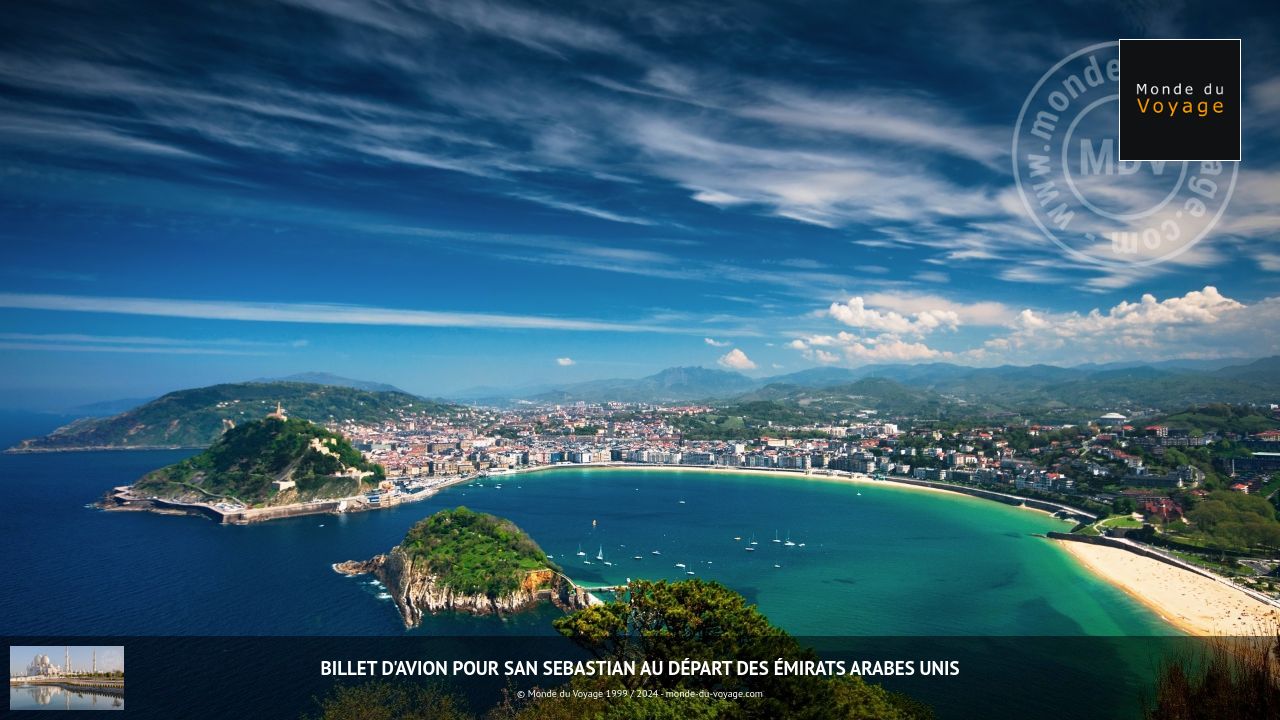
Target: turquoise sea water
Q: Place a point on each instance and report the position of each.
(877, 559)
(878, 562)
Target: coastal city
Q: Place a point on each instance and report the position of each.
(1116, 477)
(1188, 494)
(1065, 460)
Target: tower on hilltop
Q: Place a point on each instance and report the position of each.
(278, 413)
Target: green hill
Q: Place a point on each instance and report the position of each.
(946, 392)
(1220, 418)
(782, 405)
(474, 553)
(196, 417)
(246, 462)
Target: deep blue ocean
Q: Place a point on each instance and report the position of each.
(877, 562)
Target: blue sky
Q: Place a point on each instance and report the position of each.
(110, 657)
(441, 194)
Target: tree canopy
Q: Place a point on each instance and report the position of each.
(1233, 520)
(474, 553)
(249, 457)
(703, 620)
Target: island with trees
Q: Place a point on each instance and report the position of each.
(466, 561)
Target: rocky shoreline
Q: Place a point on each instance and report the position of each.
(418, 593)
(22, 448)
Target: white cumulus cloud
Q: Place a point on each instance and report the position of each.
(855, 313)
(737, 360)
(564, 361)
(860, 350)
(1201, 323)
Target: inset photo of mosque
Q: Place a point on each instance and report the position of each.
(70, 677)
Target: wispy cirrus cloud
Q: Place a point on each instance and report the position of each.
(313, 313)
(811, 184)
(544, 31)
(76, 342)
(681, 150)
(148, 340)
(911, 120)
(582, 209)
(533, 125)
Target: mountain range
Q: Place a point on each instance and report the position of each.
(198, 416)
(1126, 386)
(324, 378)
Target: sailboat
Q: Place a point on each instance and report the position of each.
(775, 537)
(680, 565)
(580, 553)
(788, 543)
(753, 539)
(600, 553)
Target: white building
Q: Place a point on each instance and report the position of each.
(42, 665)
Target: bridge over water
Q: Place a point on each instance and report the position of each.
(589, 591)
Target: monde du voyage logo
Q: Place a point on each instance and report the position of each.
(1132, 169)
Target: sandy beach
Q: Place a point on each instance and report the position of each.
(1193, 603)
(819, 475)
